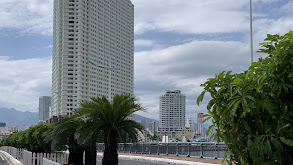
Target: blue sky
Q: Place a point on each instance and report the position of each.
(178, 45)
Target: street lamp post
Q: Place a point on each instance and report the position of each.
(251, 40)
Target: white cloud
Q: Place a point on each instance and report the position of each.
(187, 17)
(27, 16)
(179, 16)
(144, 43)
(23, 81)
(287, 7)
(185, 67)
(265, 26)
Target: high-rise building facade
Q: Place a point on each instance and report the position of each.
(44, 106)
(172, 110)
(200, 124)
(153, 128)
(90, 37)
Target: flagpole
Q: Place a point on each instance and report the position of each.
(251, 40)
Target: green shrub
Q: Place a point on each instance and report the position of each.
(252, 112)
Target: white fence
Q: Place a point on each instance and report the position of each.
(29, 158)
(14, 152)
(49, 162)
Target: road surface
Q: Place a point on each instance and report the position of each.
(3, 160)
(130, 162)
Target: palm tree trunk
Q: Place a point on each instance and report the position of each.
(90, 154)
(110, 152)
(76, 156)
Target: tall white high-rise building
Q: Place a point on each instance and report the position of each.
(44, 106)
(90, 38)
(172, 110)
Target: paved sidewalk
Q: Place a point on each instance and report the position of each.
(171, 159)
(9, 158)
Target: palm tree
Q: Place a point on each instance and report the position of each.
(109, 121)
(64, 135)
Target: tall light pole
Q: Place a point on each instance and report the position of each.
(251, 40)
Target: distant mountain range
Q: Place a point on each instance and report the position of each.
(12, 116)
(147, 120)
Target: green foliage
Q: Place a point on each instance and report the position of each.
(36, 139)
(252, 112)
(102, 117)
(107, 121)
(64, 134)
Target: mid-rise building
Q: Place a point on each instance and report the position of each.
(153, 127)
(44, 107)
(172, 110)
(176, 135)
(2, 124)
(4, 134)
(172, 114)
(93, 52)
(143, 123)
(190, 123)
(13, 128)
(200, 125)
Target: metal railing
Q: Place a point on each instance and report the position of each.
(193, 149)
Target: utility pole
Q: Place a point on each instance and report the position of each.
(251, 40)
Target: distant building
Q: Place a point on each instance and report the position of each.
(143, 123)
(2, 124)
(172, 110)
(190, 123)
(13, 128)
(200, 125)
(44, 107)
(172, 115)
(4, 129)
(173, 134)
(153, 127)
(4, 134)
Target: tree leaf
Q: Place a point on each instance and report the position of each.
(245, 125)
(200, 97)
(268, 148)
(235, 107)
(277, 145)
(288, 142)
(251, 98)
(237, 81)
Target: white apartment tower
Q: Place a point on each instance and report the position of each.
(172, 110)
(89, 37)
